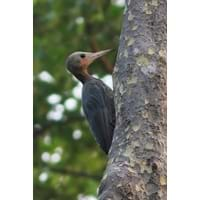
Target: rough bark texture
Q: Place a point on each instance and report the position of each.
(137, 160)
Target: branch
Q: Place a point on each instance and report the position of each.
(76, 173)
(94, 46)
(106, 62)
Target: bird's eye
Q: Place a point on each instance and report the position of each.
(82, 55)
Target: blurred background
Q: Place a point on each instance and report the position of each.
(68, 164)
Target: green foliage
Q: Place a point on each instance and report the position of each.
(67, 161)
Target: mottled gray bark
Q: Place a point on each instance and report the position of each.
(137, 160)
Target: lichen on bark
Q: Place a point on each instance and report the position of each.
(137, 159)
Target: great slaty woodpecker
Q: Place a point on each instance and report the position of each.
(97, 98)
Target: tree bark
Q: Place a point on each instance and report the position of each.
(136, 167)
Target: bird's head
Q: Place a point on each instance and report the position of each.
(78, 62)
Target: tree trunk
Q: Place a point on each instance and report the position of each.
(137, 160)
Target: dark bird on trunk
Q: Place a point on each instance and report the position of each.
(97, 98)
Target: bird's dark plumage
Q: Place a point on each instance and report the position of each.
(97, 98)
(98, 106)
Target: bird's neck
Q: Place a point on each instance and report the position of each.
(83, 76)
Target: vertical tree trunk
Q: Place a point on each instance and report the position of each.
(137, 160)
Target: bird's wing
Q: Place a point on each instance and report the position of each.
(96, 105)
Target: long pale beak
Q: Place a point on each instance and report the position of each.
(94, 56)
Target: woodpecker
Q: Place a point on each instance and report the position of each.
(97, 97)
